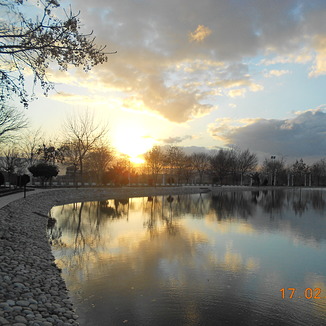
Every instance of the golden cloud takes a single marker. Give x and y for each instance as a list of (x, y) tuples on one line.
[(200, 34), (237, 92), (319, 67), (276, 73)]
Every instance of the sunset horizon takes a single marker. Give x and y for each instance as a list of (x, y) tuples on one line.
[(187, 76)]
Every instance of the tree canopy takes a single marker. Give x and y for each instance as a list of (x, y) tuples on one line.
[(44, 171), (34, 35)]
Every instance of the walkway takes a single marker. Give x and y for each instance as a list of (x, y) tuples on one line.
[(5, 200)]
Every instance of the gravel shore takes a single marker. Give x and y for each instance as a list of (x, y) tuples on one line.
[(32, 291)]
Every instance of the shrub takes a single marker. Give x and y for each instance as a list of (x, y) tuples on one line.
[(44, 171)]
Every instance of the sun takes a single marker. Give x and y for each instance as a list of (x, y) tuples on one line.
[(137, 160), (131, 141)]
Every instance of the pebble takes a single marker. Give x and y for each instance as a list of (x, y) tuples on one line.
[(3, 321), (22, 303), (32, 291), (29, 278), (21, 319)]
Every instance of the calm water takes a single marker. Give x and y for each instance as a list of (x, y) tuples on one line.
[(198, 260)]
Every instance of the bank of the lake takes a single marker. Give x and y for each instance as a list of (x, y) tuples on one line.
[(32, 291)]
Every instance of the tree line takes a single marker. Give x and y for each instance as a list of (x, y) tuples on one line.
[(85, 153), (230, 166)]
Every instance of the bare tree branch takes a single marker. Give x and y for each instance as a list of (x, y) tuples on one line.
[(83, 134), (11, 121), (29, 41)]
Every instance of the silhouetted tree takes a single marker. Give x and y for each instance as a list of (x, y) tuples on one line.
[(51, 154), (274, 169), (83, 135), (255, 176), (98, 161), (11, 163), (11, 120), (318, 170), (119, 174), (221, 164), (200, 163), (155, 159), (246, 162), (175, 160), (44, 171), (188, 169), (300, 171), (29, 145)]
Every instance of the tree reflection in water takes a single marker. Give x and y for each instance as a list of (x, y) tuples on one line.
[(84, 219), (223, 245)]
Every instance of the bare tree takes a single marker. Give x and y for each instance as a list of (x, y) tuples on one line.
[(175, 160), (29, 144), (274, 168), (187, 169), (11, 162), (98, 161), (221, 164), (300, 170), (82, 134), (11, 121), (201, 163), (155, 162), (33, 39), (318, 170), (246, 162)]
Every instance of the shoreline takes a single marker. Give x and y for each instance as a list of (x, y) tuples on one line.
[(32, 290)]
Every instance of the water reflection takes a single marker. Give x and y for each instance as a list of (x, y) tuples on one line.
[(195, 259)]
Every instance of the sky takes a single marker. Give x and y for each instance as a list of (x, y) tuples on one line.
[(202, 75)]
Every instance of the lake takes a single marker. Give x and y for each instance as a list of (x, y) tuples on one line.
[(228, 258)]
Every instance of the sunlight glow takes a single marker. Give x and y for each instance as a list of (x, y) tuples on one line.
[(137, 160), (131, 141)]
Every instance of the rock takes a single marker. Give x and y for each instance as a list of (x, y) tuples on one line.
[(11, 303), (33, 306), (30, 317), (27, 295), (3, 321), (17, 308), (23, 303), (21, 319), (29, 278), (50, 320)]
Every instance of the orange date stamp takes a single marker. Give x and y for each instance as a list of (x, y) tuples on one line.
[(307, 293)]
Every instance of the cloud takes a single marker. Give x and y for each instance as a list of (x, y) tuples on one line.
[(276, 73), (158, 69), (200, 34), (303, 135), (237, 92), (319, 67), (301, 56), (176, 140)]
